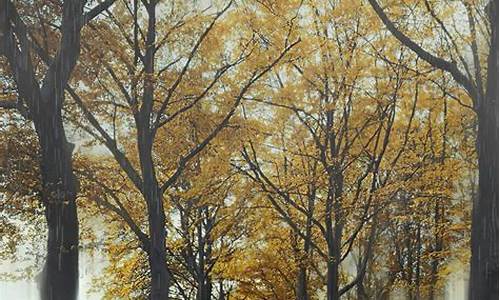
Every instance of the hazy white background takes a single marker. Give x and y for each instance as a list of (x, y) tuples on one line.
[(92, 266)]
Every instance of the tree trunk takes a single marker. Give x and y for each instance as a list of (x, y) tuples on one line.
[(332, 276), (160, 278), (419, 256), (60, 273), (335, 237), (204, 285), (484, 261), (301, 288), (333, 267)]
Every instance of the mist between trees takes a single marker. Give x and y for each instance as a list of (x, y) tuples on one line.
[(251, 149)]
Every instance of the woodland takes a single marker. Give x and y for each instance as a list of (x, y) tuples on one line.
[(250, 149)]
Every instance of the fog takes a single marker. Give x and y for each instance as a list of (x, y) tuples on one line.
[(90, 267)]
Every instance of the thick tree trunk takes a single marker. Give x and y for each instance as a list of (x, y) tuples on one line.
[(333, 269), (484, 261), (60, 274), (204, 288), (301, 287), (332, 278), (160, 278)]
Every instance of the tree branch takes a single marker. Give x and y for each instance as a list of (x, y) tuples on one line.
[(433, 60), (185, 159)]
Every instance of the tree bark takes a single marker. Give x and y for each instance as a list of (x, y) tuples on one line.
[(484, 261), (203, 279), (160, 277), (302, 281), (60, 273), (301, 288), (334, 236), (59, 278)]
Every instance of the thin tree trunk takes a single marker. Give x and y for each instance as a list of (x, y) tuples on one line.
[(335, 237), (302, 284), (419, 254), (438, 247), (204, 285)]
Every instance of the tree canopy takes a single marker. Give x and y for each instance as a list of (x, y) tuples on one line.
[(251, 149)]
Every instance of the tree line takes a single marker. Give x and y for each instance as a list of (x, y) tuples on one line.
[(252, 149)]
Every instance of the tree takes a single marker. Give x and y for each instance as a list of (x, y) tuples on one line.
[(40, 99), (245, 149), (482, 87), (326, 171), (158, 90)]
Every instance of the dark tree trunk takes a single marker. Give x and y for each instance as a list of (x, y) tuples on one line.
[(332, 276), (333, 265), (302, 284), (335, 236), (483, 282), (204, 284), (60, 274), (484, 261), (419, 256), (160, 277), (44, 105), (301, 288)]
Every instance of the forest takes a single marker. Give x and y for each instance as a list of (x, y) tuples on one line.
[(249, 149)]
